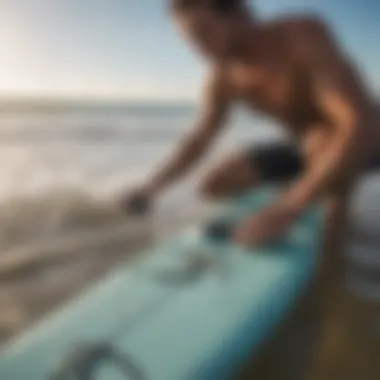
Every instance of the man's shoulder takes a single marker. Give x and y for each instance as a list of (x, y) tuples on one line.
[(299, 22), (307, 36), (304, 27)]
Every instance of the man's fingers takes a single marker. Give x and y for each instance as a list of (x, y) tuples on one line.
[(135, 203)]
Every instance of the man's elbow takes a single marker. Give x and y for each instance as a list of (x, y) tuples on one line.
[(351, 135), (349, 141), (352, 123)]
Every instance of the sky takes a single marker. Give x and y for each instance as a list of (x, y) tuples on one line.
[(128, 49)]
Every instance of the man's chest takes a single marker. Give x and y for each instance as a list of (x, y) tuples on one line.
[(280, 91)]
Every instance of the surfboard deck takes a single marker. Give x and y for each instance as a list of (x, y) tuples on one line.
[(193, 308)]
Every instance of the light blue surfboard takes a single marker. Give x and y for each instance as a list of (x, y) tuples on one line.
[(192, 309)]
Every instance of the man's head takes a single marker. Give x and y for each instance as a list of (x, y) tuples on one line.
[(215, 27)]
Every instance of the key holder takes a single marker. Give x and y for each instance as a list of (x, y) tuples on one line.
[(199, 263)]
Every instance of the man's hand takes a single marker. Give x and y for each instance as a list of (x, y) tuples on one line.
[(137, 201), (267, 225)]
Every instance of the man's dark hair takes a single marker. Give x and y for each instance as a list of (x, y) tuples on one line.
[(221, 6)]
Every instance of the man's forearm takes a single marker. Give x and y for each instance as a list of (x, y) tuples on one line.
[(332, 164), (186, 156)]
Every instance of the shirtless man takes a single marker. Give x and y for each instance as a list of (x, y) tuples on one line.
[(293, 70)]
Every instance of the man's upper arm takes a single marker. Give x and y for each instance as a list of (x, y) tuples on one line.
[(338, 87), (215, 103)]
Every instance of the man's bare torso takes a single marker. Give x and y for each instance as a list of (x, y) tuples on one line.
[(281, 81)]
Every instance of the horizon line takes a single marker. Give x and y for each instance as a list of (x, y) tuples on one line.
[(56, 100)]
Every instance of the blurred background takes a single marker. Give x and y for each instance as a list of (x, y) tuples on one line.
[(93, 93)]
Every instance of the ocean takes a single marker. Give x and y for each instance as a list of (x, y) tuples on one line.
[(62, 170)]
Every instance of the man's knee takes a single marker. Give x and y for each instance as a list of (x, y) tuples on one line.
[(221, 183), (231, 177), (210, 186)]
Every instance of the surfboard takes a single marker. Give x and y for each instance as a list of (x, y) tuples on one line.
[(193, 308)]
